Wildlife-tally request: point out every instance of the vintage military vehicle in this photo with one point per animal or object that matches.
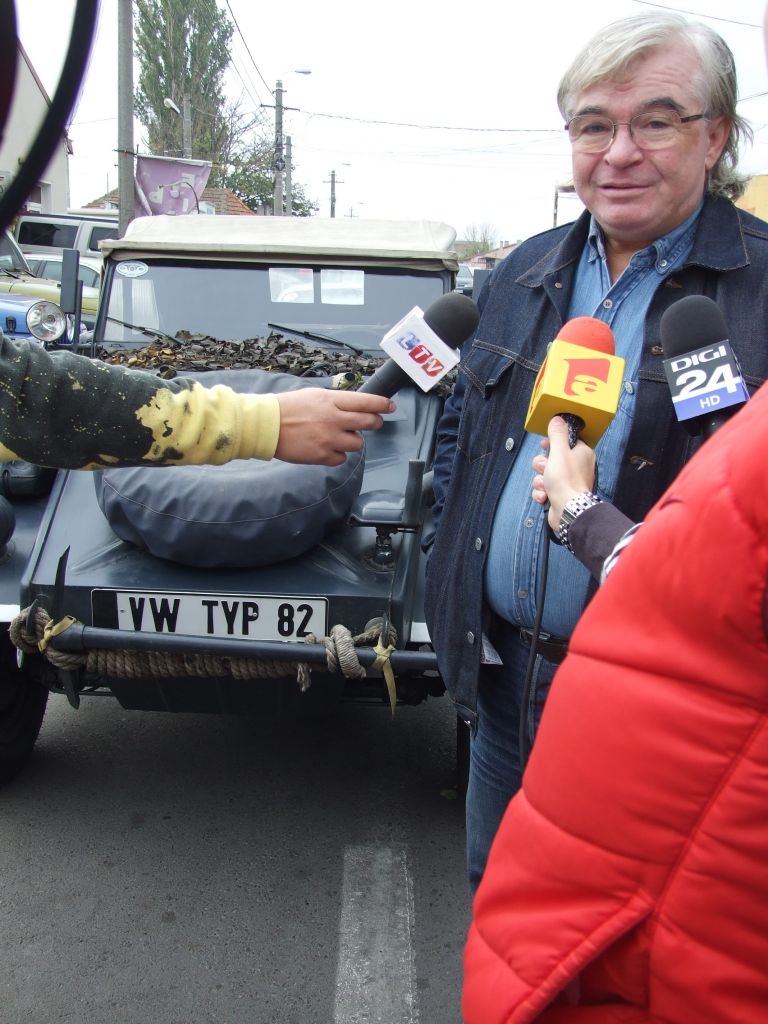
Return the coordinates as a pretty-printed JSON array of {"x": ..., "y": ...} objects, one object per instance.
[{"x": 250, "y": 587}]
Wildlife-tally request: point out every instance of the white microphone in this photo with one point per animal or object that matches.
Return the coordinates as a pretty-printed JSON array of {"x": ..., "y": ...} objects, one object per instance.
[{"x": 422, "y": 347}]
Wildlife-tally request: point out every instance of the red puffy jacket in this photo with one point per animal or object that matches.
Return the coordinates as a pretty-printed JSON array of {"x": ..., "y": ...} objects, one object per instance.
[{"x": 629, "y": 878}]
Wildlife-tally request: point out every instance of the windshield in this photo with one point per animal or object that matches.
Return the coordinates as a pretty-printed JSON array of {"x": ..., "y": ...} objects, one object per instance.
[
  {"x": 239, "y": 301},
  {"x": 11, "y": 260}
]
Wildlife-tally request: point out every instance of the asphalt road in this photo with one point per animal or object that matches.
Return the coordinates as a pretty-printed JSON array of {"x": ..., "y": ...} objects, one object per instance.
[{"x": 187, "y": 869}]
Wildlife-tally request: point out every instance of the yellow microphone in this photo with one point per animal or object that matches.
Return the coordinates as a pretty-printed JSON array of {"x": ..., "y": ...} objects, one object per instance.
[{"x": 580, "y": 380}]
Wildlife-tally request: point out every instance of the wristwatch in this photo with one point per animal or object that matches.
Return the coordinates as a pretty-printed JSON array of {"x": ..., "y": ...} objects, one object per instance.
[{"x": 579, "y": 503}]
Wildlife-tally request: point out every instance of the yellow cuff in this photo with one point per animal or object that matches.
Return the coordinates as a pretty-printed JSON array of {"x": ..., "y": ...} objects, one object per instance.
[{"x": 259, "y": 426}]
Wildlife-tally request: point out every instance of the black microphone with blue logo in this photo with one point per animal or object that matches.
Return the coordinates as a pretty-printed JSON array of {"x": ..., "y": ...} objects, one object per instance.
[{"x": 702, "y": 370}]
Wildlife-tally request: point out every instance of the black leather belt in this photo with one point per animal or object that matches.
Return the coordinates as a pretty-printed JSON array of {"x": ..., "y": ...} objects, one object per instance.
[{"x": 553, "y": 648}]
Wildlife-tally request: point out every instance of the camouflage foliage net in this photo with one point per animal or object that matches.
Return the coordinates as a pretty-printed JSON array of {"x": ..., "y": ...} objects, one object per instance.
[{"x": 189, "y": 352}]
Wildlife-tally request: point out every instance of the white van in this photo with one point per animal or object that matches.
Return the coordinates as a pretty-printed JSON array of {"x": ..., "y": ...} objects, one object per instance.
[{"x": 53, "y": 232}]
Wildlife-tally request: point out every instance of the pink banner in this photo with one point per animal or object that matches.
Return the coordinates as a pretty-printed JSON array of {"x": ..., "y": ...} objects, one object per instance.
[{"x": 169, "y": 184}]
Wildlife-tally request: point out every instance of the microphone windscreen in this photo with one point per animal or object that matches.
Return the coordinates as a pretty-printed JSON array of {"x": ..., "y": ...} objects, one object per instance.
[
  {"x": 589, "y": 332},
  {"x": 453, "y": 317},
  {"x": 691, "y": 323}
]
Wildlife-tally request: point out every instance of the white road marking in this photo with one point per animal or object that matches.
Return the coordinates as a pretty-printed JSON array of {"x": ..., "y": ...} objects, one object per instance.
[{"x": 375, "y": 978}]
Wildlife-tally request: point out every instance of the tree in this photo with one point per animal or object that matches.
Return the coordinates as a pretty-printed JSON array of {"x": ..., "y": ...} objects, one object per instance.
[
  {"x": 183, "y": 48},
  {"x": 183, "y": 51},
  {"x": 249, "y": 176},
  {"x": 478, "y": 238}
]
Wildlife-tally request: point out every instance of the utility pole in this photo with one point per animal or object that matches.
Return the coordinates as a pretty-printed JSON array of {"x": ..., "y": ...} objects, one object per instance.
[
  {"x": 333, "y": 192},
  {"x": 186, "y": 126},
  {"x": 279, "y": 162},
  {"x": 288, "y": 182},
  {"x": 125, "y": 152}
]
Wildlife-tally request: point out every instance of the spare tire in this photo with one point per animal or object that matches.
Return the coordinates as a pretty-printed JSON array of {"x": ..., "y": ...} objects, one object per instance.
[{"x": 245, "y": 513}]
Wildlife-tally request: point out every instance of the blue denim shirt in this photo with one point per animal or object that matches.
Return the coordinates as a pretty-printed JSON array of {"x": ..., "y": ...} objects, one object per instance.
[
  {"x": 512, "y": 567},
  {"x": 523, "y": 305}
]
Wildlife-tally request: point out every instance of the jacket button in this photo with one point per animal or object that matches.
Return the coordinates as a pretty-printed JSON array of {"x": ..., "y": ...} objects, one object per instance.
[
  {"x": 558, "y": 284},
  {"x": 470, "y": 637},
  {"x": 509, "y": 444},
  {"x": 478, "y": 543},
  {"x": 657, "y": 350}
]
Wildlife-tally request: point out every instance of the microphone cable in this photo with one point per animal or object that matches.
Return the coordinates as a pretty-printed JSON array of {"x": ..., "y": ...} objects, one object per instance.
[
  {"x": 529, "y": 684},
  {"x": 548, "y": 536}
]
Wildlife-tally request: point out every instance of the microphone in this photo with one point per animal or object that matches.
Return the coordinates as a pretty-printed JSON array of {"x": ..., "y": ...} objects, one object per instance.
[
  {"x": 580, "y": 380},
  {"x": 701, "y": 368},
  {"x": 422, "y": 346}
]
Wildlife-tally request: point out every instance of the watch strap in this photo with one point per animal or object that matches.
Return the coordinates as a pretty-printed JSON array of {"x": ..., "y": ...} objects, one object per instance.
[{"x": 578, "y": 503}]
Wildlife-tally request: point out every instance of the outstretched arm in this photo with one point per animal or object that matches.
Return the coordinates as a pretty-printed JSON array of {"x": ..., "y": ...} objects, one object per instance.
[{"x": 65, "y": 410}]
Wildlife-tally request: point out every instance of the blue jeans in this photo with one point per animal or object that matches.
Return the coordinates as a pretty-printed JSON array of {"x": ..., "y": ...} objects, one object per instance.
[{"x": 495, "y": 771}]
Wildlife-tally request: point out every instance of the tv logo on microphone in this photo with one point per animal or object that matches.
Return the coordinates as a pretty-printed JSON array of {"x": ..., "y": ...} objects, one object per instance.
[
  {"x": 705, "y": 380},
  {"x": 586, "y": 376},
  {"x": 420, "y": 354},
  {"x": 418, "y": 350}
]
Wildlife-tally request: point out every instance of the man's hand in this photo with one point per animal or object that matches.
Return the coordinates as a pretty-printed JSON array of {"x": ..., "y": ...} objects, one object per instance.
[
  {"x": 567, "y": 471},
  {"x": 319, "y": 426}
]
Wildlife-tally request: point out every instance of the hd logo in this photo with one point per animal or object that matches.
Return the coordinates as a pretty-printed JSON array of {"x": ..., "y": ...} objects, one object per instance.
[{"x": 706, "y": 380}]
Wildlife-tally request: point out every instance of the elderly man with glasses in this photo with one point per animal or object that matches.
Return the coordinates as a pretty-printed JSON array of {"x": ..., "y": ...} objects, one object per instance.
[{"x": 650, "y": 110}]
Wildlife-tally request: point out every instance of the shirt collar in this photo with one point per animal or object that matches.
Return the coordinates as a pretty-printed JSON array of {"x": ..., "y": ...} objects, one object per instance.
[{"x": 661, "y": 253}]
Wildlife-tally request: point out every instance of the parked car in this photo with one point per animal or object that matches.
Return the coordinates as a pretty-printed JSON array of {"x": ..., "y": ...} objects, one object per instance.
[
  {"x": 53, "y": 232},
  {"x": 232, "y": 588},
  {"x": 464, "y": 279},
  {"x": 49, "y": 265},
  {"x": 17, "y": 276},
  {"x": 23, "y": 317}
]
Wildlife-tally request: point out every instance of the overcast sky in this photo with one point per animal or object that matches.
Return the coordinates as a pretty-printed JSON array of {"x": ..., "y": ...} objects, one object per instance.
[{"x": 423, "y": 108}]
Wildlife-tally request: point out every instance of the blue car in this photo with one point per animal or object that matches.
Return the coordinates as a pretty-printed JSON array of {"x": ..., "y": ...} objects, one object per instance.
[{"x": 25, "y": 317}]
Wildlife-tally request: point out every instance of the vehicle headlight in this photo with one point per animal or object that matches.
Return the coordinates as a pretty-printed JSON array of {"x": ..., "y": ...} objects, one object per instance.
[{"x": 45, "y": 321}]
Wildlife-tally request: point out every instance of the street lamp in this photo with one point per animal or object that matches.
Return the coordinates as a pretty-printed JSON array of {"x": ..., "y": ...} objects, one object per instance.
[
  {"x": 186, "y": 122},
  {"x": 278, "y": 164}
]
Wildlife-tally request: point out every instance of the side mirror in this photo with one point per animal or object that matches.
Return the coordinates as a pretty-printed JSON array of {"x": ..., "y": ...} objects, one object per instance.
[{"x": 71, "y": 296}]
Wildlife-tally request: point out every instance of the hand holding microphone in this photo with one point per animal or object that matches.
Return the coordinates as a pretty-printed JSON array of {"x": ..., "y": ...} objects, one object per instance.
[
  {"x": 422, "y": 347},
  {"x": 580, "y": 380},
  {"x": 565, "y": 471}
]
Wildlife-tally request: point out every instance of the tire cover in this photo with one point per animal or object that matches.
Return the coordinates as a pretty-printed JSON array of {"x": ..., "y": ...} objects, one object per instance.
[{"x": 243, "y": 513}]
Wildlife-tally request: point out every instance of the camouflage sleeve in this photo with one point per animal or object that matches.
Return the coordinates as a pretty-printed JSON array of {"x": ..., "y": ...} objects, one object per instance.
[{"x": 67, "y": 411}]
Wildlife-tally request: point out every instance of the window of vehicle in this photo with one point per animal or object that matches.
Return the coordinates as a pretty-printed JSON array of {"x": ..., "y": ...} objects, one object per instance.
[
  {"x": 237, "y": 301},
  {"x": 51, "y": 270},
  {"x": 61, "y": 236},
  {"x": 10, "y": 255},
  {"x": 98, "y": 234}
]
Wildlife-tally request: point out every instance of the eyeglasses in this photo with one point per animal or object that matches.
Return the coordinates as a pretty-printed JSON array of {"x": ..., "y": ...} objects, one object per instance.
[{"x": 654, "y": 129}]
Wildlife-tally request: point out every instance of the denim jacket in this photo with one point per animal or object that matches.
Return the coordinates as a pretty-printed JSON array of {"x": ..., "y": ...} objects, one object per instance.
[{"x": 523, "y": 305}]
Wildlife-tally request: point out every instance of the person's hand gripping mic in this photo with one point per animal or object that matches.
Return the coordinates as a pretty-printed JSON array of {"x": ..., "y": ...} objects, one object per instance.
[{"x": 561, "y": 470}]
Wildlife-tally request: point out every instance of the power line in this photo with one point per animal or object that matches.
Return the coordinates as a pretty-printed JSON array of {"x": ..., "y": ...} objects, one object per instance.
[
  {"x": 696, "y": 14},
  {"x": 258, "y": 71},
  {"x": 430, "y": 127}
]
